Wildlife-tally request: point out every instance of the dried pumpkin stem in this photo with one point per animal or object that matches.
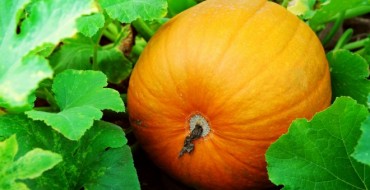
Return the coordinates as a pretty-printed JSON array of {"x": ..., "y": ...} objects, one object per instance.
[
  {"x": 188, "y": 143},
  {"x": 199, "y": 127}
]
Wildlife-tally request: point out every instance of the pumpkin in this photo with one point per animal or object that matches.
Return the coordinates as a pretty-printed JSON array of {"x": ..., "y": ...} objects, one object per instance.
[{"x": 218, "y": 83}]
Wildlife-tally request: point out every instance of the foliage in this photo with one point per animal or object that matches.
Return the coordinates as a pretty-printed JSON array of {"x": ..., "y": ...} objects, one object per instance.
[
  {"x": 64, "y": 63},
  {"x": 29, "y": 166},
  {"x": 80, "y": 96},
  {"x": 20, "y": 62},
  {"x": 317, "y": 154},
  {"x": 349, "y": 73},
  {"x": 362, "y": 151},
  {"x": 99, "y": 159}
]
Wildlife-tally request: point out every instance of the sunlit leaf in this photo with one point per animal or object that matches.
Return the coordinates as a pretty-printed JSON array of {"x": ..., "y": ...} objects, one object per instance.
[
  {"x": 81, "y": 96},
  {"x": 316, "y": 154},
  {"x": 46, "y": 22}
]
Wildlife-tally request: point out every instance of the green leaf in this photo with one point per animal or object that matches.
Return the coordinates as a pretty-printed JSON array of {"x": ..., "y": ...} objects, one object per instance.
[
  {"x": 18, "y": 81},
  {"x": 99, "y": 160},
  {"x": 114, "y": 162},
  {"x": 127, "y": 11},
  {"x": 81, "y": 88},
  {"x": 72, "y": 122},
  {"x": 328, "y": 10},
  {"x": 75, "y": 53},
  {"x": 45, "y": 50},
  {"x": 157, "y": 23},
  {"x": 349, "y": 74},
  {"x": 316, "y": 154},
  {"x": 365, "y": 53},
  {"x": 35, "y": 162},
  {"x": 175, "y": 6},
  {"x": 139, "y": 46},
  {"x": 362, "y": 150},
  {"x": 46, "y": 22},
  {"x": 114, "y": 64},
  {"x": 80, "y": 95},
  {"x": 90, "y": 24},
  {"x": 8, "y": 150},
  {"x": 29, "y": 166}
]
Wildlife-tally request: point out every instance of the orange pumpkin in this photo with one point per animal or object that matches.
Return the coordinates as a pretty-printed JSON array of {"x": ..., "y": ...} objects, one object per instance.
[{"x": 237, "y": 71}]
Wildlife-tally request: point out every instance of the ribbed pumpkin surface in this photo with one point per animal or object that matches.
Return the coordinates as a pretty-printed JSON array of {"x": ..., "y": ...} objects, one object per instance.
[{"x": 249, "y": 67}]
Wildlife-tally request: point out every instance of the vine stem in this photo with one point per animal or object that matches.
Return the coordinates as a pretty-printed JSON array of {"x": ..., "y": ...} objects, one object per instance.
[
  {"x": 350, "y": 13},
  {"x": 143, "y": 29},
  {"x": 346, "y": 36},
  {"x": 95, "y": 65},
  {"x": 120, "y": 35},
  {"x": 112, "y": 28},
  {"x": 108, "y": 31},
  {"x": 109, "y": 35},
  {"x": 356, "y": 44},
  {"x": 111, "y": 32},
  {"x": 285, "y": 3},
  {"x": 338, "y": 22},
  {"x": 50, "y": 99}
]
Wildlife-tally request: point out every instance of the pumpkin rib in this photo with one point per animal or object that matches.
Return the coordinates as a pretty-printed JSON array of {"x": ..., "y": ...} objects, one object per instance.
[
  {"x": 170, "y": 138},
  {"x": 230, "y": 160},
  {"x": 283, "y": 48},
  {"x": 171, "y": 71},
  {"x": 246, "y": 19},
  {"x": 242, "y": 91},
  {"x": 231, "y": 154},
  {"x": 243, "y": 85},
  {"x": 231, "y": 41},
  {"x": 258, "y": 9},
  {"x": 266, "y": 70},
  {"x": 215, "y": 142},
  {"x": 221, "y": 159},
  {"x": 261, "y": 119},
  {"x": 152, "y": 93},
  {"x": 212, "y": 165}
]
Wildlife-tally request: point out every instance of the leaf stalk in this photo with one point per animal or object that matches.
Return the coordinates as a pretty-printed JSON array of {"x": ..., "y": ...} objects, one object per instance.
[{"x": 143, "y": 29}]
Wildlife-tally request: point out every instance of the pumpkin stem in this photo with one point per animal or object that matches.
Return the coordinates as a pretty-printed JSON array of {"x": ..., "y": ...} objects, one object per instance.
[
  {"x": 196, "y": 133},
  {"x": 199, "y": 127}
]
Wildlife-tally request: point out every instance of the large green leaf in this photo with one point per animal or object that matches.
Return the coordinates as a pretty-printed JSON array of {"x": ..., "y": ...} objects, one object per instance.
[
  {"x": 45, "y": 22},
  {"x": 113, "y": 163},
  {"x": 365, "y": 53},
  {"x": 29, "y": 166},
  {"x": 127, "y": 11},
  {"x": 99, "y": 160},
  {"x": 114, "y": 64},
  {"x": 75, "y": 53},
  {"x": 362, "y": 151},
  {"x": 175, "y": 6},
  {"x": 80, "y": 95},
  {"x": 90, "y": 24},
  {"x": 72, "y": 122},
  {"x": 316, "y": 154},
  {"x": 349, "y": 74}
]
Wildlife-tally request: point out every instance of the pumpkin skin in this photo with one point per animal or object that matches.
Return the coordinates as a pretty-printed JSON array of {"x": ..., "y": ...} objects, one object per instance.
[{"x": 248, "y": 67}]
